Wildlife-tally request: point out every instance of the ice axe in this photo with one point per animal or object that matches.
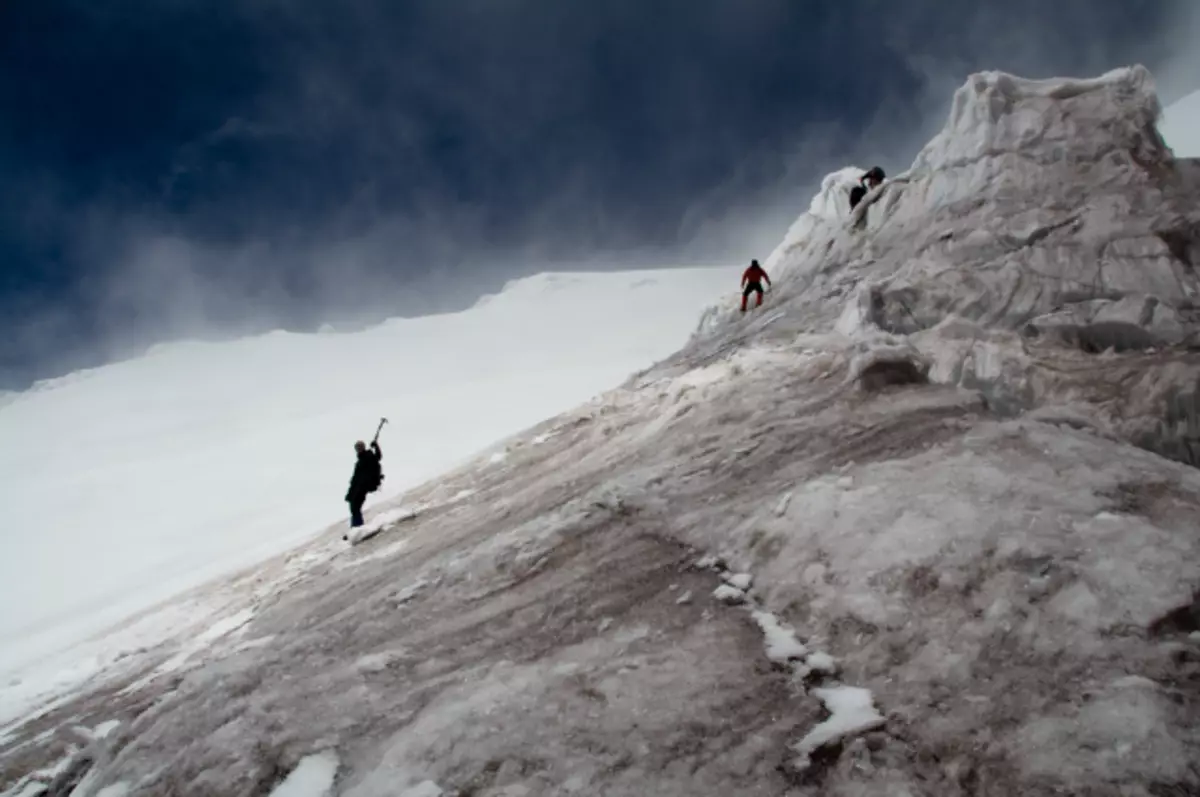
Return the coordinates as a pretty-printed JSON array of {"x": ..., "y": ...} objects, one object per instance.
[{"x": 379, "y": 429}]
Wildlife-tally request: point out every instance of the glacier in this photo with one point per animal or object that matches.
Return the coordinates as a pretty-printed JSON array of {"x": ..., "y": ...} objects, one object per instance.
[{"x": 951, "y": 462}]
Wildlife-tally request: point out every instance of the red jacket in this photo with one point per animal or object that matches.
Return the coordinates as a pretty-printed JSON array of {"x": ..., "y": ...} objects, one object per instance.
[{"x": 755, "y": 274}]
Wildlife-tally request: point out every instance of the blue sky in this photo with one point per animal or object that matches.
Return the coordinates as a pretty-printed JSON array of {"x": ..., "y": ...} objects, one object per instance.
[{"x": 217, "y": 167}]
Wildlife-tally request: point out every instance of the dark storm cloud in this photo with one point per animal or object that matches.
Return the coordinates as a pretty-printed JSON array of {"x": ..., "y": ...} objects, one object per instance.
[{"x": 184, "y": 167}]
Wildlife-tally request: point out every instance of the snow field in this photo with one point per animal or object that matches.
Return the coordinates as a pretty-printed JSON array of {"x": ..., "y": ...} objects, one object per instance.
[{"x": 201, "y": 458}]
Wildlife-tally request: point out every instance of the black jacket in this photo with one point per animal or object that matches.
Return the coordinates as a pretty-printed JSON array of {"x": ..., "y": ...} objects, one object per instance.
[{"x": 365, "y": 468}]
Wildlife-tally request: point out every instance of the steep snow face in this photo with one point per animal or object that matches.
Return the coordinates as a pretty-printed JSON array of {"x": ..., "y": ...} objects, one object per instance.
[
  {"x": 122, "y": 485},
  {"x": 1180, "y": 126}
]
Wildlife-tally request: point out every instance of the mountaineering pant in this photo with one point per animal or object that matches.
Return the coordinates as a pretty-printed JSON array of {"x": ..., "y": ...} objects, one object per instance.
[
  {"x": 356, "y": 505},
  {"x": 752, "y": 287}
]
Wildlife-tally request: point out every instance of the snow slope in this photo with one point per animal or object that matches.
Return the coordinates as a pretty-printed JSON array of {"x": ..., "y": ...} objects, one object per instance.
[
  {"x": 122, "y": 485},
  {"x": 1180, "y": 126}
]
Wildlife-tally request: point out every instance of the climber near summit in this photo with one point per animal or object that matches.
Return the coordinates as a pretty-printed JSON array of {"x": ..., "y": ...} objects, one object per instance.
[
  {"x": 367, "y": 476},
  {"x": 869, "y": 181},
  {"x": 752, "y": 280}
]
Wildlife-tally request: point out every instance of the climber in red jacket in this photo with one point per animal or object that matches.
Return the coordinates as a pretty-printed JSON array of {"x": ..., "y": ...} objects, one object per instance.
[{"x": 752, "y": 280}]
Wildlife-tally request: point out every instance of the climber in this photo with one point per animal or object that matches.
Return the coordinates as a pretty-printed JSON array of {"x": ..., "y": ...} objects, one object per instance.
[
  {"x": 366, "y": 479},
  {"x": 752, "y": 280},
  {"x": 870, "y": 180}
]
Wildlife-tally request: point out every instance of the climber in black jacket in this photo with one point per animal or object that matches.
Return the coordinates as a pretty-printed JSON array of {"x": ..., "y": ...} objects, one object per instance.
[
  {"x": 367, "y": 475},
  {"x": 866, "y": 183}
]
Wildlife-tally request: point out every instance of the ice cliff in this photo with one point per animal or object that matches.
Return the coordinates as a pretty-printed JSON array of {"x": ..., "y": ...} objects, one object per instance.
[{"x": 926, "y": 523}]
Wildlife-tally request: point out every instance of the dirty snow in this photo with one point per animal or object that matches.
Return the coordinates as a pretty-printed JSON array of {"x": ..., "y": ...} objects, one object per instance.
[
  {"x": 191, "y": 648},
  {"x": 385, "y": 552}
]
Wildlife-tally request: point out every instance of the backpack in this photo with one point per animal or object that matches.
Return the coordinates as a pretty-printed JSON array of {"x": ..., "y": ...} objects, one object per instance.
[
  {"x": 374, "y": 475},
  {"x": 856, "y": 194}
]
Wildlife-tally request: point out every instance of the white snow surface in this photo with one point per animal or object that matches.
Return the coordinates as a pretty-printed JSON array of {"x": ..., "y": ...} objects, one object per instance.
[
  {"x": 781, "y": 643},
  {"x": 1180, "y": 126},
  {"x": 312, "y": 777},
  {"x": 123, "y": 485},
  {"x": 851, "y": 712}
]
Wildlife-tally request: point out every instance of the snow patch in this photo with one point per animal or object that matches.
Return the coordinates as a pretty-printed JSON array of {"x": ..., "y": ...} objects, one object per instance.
[
  {"x": 685, "y": 598},
  {"x": 728, "y": 594},
  {"x": 741, "y": 581},
  {"x": 312, "y": 777},
  {"x": 781, "y": 643},
  {"x": 379, "y": 523},
  {"x": 425, "y": 789},
  {"x": 821, "y": 662},
  {"x": 50, "y": 773},
  {"x": 852, "y": 712},
  {"x": 498, "y": 457}
]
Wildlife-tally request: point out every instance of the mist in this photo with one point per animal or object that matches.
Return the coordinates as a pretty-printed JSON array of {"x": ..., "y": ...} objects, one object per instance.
[{"x": 225, "y": 168}]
